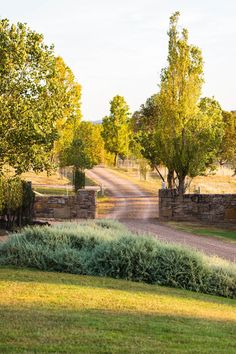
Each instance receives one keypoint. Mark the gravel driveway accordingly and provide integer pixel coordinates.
(138, 210)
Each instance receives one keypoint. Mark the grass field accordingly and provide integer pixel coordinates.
(203, 230)
(220, 182)
(63, 313)
(60, 189)
(151, 185)
(43, 178)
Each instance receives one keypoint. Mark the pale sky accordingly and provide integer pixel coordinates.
(120, 46)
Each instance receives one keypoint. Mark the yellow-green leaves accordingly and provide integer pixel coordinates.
(35, 94)
(116, 131)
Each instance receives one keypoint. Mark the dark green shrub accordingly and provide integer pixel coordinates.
(78, 179)
(16, 202)
(27, 203)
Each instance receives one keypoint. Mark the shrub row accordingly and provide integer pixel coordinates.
(106, 248)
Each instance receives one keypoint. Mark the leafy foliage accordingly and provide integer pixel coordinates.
(116, 132)
(34, 96)
(107, 249)
(86, 149)
(227, 153)
(175, 127)
(70, 94)
(16, 203)
(78, 179)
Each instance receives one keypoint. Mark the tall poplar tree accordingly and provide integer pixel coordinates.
(180, 130)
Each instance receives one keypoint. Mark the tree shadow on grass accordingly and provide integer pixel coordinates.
(24, 275)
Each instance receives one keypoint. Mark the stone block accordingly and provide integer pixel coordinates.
(230, 213)
(62, 213)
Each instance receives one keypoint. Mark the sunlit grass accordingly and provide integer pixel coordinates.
(43, 178)
(214, 184)
(51, 312)
(211, 184)
(63, 190)
(151, 185)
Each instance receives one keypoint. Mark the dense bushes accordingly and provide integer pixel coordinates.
(78, 179)
(107, 248)
(16, 202)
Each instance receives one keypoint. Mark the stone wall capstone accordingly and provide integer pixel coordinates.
(80, 206)
(210, 208)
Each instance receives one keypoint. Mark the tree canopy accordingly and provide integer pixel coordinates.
(32, 98)
(70, 94)
(86, 149)
(227, 153)
(177, 128)
(116, 129)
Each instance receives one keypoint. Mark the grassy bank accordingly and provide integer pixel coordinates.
(61, 313)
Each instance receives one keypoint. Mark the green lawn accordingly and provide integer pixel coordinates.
(227, 234)
(63, 313)
(198, 229)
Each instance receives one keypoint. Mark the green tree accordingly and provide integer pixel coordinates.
(31, 99)
(227, 152)
(181, 83)
(116, 129)
(70, 94)
(144, 124)
(185, 132)
(85, 151)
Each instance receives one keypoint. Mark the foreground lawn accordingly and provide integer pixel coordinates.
(63, 313)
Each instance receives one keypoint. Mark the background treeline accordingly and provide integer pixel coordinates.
(41, 127)
(175, 127)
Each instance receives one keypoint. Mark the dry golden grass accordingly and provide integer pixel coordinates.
(214, 184)
(43, 178)
(221, 182)
(151, 185)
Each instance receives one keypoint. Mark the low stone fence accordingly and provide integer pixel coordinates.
(210, 208)
(81, 206)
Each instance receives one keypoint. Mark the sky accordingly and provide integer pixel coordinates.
(120, 46)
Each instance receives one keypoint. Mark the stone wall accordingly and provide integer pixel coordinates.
(81, 206)
(210, 208)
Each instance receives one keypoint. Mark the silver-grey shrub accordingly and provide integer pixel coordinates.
(107, 248)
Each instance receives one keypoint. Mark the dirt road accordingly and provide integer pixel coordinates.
(139, 211)
(129, 200)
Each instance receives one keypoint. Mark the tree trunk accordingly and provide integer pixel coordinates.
(159, 173)
(181, 187)
(115, 159)
(170, 179)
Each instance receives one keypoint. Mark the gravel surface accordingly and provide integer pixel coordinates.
(139, 211)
